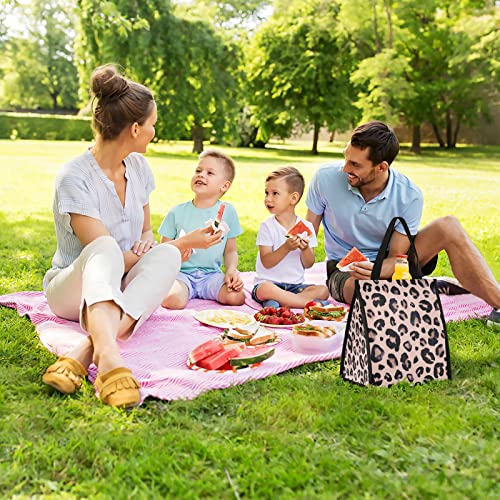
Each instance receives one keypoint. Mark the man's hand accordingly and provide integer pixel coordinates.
(361, 270)
(233, 282)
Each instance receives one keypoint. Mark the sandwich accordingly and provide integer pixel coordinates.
(263, 335)
(309, 330)
(314, 310)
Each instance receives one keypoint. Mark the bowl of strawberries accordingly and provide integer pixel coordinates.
(278, 317)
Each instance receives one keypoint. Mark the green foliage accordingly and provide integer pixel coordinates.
(38, 64)
(298, 69)
(428, 61)
(44, 127)
(302, 434)
(185, 62)
(238, 16)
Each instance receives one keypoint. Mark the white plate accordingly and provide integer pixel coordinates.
(225, 318)
(193, 366)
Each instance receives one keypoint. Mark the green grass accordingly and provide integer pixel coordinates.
(302, 434)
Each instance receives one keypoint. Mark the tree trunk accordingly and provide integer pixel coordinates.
(388, 11)
(449, 130)
(54, 101)
(375, 27)
(197, 134)
(455, 135)
(332, 136)
(415, 140)
(314, 150)
(437, 133)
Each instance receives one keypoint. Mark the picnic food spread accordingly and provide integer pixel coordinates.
(215, 354)
(315, 310)
(354, 255)
(278, 316)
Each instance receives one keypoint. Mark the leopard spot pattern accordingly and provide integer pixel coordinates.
(406, 336)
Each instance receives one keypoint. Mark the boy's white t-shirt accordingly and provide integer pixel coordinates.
(289, 269)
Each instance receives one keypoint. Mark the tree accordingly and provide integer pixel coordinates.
(237, 16)
(40, 70)
(299, 70)
(186, 64)
(437, 65)
(208, 78)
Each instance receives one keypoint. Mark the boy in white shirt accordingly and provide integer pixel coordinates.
(281, 260)
(201, 276)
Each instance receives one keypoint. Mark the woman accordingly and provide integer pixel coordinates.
(108, 272)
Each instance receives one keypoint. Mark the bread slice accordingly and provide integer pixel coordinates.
(262, 336)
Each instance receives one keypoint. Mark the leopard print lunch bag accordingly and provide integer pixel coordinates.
(396, 329)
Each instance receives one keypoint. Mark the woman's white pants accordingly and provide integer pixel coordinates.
(97, 275)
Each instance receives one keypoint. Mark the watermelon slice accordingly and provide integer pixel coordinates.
(220, 358)
(353, 256)
(205, 350)
(220, 213)
(250, 356)
(300, 229)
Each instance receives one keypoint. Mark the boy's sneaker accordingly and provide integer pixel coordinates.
(494, 319)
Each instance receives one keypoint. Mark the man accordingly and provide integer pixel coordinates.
(357, 200)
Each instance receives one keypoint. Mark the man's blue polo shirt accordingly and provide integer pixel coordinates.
(351, 222)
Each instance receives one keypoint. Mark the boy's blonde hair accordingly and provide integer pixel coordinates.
(227, 161)
(292, 177)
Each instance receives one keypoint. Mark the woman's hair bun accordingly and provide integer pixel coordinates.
(107, 83)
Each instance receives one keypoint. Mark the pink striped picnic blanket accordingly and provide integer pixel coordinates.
(157, 352)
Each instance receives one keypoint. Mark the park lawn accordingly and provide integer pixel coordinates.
(302, 434)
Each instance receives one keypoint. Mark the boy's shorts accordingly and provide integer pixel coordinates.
(202, 285)
(336, 279)
(288, 287)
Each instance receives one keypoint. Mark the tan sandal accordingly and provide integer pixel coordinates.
(65, 375)
(118, 388)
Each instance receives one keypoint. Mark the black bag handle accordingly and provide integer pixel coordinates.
(384, 247)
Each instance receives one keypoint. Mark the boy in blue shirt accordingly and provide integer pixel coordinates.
(201, 276)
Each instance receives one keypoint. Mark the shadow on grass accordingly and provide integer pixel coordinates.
(249, 155)
(482, 152)
(439, 158)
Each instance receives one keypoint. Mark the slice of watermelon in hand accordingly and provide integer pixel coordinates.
(300, 230)
(353, 256)
(220, 213)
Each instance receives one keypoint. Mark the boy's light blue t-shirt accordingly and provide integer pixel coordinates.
(187, 217)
